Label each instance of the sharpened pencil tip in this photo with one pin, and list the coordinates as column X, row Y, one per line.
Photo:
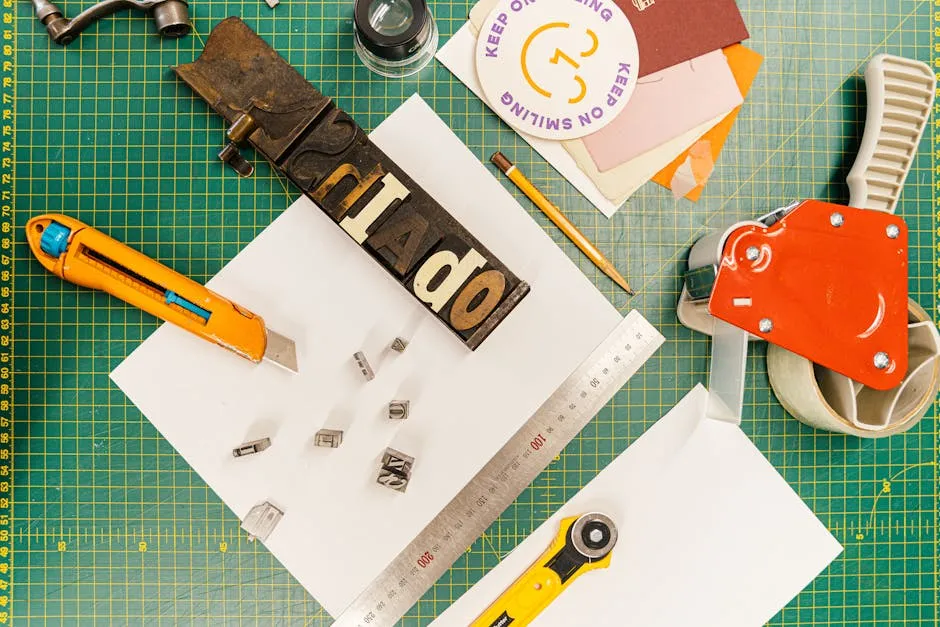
column 619, row 280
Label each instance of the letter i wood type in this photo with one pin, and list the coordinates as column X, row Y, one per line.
column 322, row 150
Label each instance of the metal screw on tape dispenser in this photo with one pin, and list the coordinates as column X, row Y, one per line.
column 849, row 351
column 394, row 38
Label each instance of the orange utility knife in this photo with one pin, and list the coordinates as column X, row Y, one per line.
column 82, row 255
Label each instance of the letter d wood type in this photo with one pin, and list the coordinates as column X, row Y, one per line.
column 322, row 150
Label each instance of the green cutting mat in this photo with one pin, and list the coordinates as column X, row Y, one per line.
column 108, row 525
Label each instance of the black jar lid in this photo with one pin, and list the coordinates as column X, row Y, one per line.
column 396, row 47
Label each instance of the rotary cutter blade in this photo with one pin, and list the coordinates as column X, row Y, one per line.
column 583, row 543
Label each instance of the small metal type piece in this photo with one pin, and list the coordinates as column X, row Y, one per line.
column 766, row 325
column 261, row 521
column 364, row 366
column 752, row 253
column 394, row 38
column 170, row 16
column 320, row 148
column 250, row 448
column 836, row 219
column 511, row 470
column 398, row 410
column 395, row 472
column 399, row 345
column 893, row 231
column 328, row 438
column 272, row 3
column 882, row 360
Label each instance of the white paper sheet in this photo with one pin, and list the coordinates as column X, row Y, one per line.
column 710, row 535
column 311, row 282
column 624, row 180
column 457, row 56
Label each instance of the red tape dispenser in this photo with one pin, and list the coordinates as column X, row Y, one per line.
column 826, row 282
column 826, row 285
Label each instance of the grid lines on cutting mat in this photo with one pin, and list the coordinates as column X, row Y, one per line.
column 111, row 526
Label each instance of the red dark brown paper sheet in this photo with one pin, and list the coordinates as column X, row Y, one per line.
column 672, row 31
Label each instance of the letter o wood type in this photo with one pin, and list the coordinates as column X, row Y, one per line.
column 461, row 316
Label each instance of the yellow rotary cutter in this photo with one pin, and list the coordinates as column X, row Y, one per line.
column 583, row 543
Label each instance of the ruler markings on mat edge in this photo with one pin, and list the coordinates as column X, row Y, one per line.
column 7, row 244
column 508, row 473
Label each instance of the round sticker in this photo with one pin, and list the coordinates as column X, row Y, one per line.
column 558, row 69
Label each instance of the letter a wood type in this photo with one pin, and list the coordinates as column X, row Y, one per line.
column 325, row 153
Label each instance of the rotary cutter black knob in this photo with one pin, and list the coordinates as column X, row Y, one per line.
column 590, row 538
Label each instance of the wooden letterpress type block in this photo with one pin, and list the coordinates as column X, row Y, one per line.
column 469, row 292
column 477, row 299
column 437, row 279
column 474, row 336
column 319, row 151
column 404, row 239
column 344, row 187
column 391, row 191
column 322, row 150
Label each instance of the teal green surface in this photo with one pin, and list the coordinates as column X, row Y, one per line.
column 110, row 526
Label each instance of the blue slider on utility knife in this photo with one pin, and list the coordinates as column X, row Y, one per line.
column 82, row 255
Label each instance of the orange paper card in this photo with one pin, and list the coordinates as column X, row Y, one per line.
column 744, row 64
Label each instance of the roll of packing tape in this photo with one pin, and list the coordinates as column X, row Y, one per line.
column 827, row 400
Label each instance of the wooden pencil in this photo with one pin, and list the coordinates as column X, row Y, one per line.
column 555, row 215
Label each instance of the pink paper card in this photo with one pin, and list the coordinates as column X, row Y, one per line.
column 665, row 105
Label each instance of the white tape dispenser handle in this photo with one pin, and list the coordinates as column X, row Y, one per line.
column 900, row 99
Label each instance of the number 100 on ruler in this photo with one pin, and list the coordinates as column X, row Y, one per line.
column 527, row 453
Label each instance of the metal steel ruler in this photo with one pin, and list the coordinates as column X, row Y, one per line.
column 572, row 406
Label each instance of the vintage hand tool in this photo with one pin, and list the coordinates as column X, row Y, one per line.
column 82, row 255
column 553, row 425
column 826, row 285
column 584, row 543
column 170, row 16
